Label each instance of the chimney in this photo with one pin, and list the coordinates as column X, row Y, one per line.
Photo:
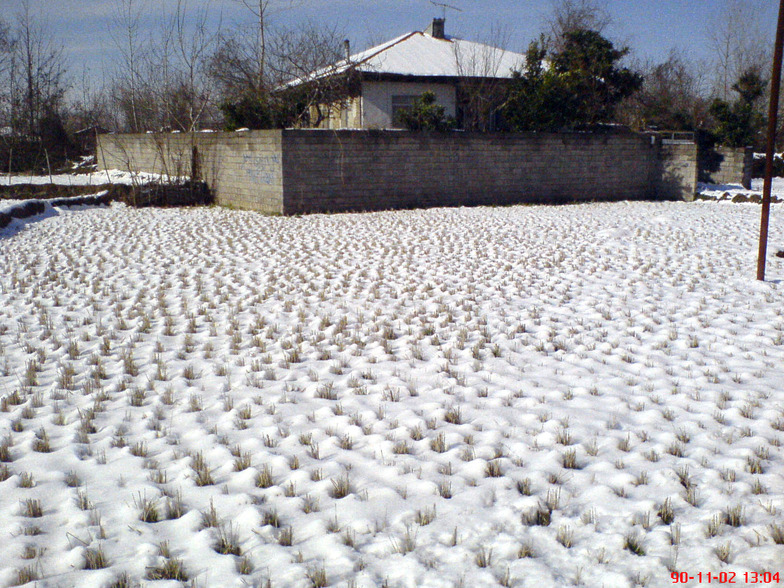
column 347, row 47
column 436, row 28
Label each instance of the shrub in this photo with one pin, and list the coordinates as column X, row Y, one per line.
column 425, row 114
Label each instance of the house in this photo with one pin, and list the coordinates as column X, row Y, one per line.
column 467, row 78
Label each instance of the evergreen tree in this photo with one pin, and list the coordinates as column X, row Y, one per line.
column 740, row 123
column 537, row 98
column 425, row 115
column 580, row 85
column 263, row 111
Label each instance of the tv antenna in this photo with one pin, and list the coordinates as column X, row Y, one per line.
column 445, row 6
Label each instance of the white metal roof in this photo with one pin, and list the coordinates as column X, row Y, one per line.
column 420, row 54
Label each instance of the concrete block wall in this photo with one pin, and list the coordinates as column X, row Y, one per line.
column 678, row 171
column 305, row 171
column 372, row 170
column 168, row 154
column 726, row 165
column 243, row 170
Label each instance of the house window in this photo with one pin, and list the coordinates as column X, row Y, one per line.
column 401, row 104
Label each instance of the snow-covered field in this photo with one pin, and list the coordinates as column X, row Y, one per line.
column 525, row 396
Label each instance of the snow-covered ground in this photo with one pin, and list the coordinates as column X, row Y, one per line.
column 89, row 179
column 729, row 191
column 6, row 203
column 532, row 396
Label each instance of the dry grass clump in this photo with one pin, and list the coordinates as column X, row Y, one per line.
column 666, row 512
column 31, row 508
column 169, row 569
column 633, row 543
column 539, row 517
column 27, row 574
column 95, row 558
column 41, row 442
column 227, row 542
column 263, row 478
column 438, row 443
column 202, row 476
column 148, row 509
column 341, row 487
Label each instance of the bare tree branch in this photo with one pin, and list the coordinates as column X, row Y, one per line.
column 570, row 15
column 736, row 40
column 38, row 70
column 482, row 88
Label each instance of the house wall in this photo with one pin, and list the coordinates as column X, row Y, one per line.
column 306, row 171
column 346, row 115
column 377, row 100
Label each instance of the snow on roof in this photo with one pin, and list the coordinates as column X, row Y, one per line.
column 420, row 54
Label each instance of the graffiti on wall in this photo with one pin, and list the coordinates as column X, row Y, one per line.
column 261, row 168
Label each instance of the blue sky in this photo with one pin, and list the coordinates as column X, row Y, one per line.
column 650, row 28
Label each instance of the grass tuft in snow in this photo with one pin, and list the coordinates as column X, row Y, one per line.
column 227, row 542
column 95, row 558
column 633, row 543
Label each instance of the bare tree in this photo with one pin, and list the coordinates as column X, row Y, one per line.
column 233, row 66
column 6, row 46
column 6, row 43
column 262, row 11
column 482, row 85
column 38, row 74
column 571, row 15
column 309, row 65
column 737, row 42
column 89, row 105
column 162, row 80
column 129, row 82
column 188, row 88
column 674, row 96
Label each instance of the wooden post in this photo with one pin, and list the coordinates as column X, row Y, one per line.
column 775, row 86
column 49, row 167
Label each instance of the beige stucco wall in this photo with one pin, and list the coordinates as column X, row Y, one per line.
column 377, row 100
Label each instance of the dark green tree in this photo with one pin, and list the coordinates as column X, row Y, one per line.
column 589, row 67
column 580, row 85
column 425, row 114
column 537, row 98
column 264, row 111
column 740, row 123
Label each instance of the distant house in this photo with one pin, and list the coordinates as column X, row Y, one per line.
column 466, row 77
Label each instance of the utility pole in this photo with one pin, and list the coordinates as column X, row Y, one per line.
column 775, row 86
